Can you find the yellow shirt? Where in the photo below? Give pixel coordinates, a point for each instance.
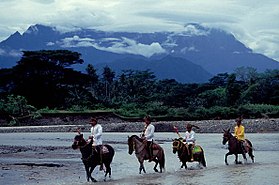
(239, 132)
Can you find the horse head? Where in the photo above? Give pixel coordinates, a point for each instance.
(176, 145)
(226, 136)
(78, 141)
(131, 144)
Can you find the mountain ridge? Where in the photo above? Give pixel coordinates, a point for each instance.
(214, 50)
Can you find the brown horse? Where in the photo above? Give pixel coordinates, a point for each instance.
(138, 145)
(234, 146)
(183, 153)
(91, 158)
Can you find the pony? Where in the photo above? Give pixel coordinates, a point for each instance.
(138, 145)
(91, 158)
(234, 147)
(182, 151)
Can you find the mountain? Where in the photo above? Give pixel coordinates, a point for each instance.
(211, 50)
(168, 67)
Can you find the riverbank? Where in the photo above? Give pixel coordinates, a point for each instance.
(117, 125)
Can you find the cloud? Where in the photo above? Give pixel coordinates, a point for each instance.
(123, 45)
(253, 22)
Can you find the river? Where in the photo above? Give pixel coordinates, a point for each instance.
(21, 149)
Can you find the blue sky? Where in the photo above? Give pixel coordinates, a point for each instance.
(254, 22)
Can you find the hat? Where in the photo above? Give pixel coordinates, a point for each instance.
(93, 120)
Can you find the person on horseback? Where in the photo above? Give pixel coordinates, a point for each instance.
(96, 135)
(239, 130)
(148, 135)
(190, 139)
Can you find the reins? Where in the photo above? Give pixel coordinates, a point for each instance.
(138, 149)
(180, 147)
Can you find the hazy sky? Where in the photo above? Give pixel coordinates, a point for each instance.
(253, 22)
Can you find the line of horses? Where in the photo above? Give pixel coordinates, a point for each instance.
(91, 157)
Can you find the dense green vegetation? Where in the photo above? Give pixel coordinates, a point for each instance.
(44, 81)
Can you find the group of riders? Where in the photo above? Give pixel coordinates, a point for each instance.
(147, 136)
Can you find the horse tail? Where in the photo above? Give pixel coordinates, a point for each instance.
(162, 161)
(250, 152)
(203, 159)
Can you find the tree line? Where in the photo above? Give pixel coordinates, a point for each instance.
(46, 81)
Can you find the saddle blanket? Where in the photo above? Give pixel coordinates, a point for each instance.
(197, 149)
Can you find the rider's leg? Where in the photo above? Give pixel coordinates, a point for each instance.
(191, 152)
(101, 157)
(150, 151)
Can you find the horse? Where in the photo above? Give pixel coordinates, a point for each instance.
(91, 158)
(138, 145)
(182, 151)
(234, 147)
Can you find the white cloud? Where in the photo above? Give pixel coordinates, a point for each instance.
(124, 45)
(132, 47)
(253, 22)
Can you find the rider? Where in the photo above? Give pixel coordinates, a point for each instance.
(239, 133)
(148, 135)
(190, 139)
(96, 135)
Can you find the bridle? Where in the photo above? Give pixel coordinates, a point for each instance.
(140, 148)
(178, 146)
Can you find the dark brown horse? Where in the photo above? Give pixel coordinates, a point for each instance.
(91, 158)
(234, 146)
(182, 151)
(138, 145)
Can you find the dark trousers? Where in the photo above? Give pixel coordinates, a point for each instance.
(99, 151)
(150, 150)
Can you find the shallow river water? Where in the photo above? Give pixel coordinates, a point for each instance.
(265, 170)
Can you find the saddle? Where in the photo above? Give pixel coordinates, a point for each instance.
(155, 146)
(98, 149)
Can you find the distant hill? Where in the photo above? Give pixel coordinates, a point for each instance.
(168, 67)
(167, 54)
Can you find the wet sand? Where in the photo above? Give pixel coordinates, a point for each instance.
(47, 158)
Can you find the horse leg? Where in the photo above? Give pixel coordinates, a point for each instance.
(236, 159)
(185, 165)
(108, 170)
(226, 156)
(244, 157)
(92, 178)
(87, 172)
(251, 154)
(156, 164)
(141, 168)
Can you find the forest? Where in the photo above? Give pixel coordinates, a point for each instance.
(45, 81)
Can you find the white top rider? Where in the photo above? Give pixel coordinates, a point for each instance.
(96, 132)
(190, 137)
(149, 132)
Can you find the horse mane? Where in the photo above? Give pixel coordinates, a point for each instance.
(137, 138)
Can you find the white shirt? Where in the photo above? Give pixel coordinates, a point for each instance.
(190, 137)
(149, 132)
(96, 132)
